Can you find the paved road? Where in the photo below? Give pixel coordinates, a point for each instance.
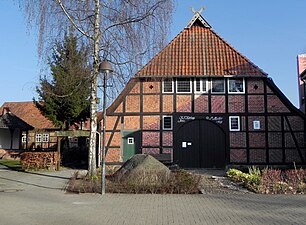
(32, 199)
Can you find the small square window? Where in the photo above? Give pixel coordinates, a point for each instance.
(236, 85)
(256, 125)
(183, 85)
(167, 86)
(217, 85)
(130, 140)
(167, 122)
(234, 123)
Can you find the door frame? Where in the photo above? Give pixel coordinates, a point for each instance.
(178, 126)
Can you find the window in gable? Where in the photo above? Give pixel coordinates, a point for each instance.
(200, 85)
(167, 86)
(183, 85)
(235, 85)
(217, 85)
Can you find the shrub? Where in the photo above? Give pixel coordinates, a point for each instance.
(84, 185)
(271, 181)
(283, 182)
(183, 182)
(249, 180)
(179, 182)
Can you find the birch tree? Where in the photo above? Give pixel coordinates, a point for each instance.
(125, 32)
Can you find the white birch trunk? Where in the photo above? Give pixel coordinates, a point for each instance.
(92, 166)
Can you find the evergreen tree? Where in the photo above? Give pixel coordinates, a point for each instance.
(64, 98)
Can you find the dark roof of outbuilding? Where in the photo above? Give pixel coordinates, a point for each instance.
(10, 121)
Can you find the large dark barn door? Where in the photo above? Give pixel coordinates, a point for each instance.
(200, 144)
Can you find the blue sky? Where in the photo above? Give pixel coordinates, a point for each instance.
(269, 33)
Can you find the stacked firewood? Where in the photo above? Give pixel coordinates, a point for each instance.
(39, 160)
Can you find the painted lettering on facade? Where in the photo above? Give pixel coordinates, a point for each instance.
(216, 119)
(183, 119)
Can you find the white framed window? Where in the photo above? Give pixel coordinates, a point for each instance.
(167, 86)
(130, 141)
(167, 122)
(200, 85)
(234, 123)
(45, 138)
(38, 137)
(24, 138)
(183, 85)
(217, 85)
(235, 85)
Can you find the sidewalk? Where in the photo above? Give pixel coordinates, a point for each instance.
(43, 201)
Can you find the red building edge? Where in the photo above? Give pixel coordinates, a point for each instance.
(200, 103)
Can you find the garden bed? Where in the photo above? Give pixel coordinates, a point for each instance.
(271, 181)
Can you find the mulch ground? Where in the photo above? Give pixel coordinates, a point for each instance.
(216, 182)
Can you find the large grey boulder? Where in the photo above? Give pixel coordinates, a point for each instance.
(143, 169)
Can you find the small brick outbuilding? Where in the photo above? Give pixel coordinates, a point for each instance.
(200, 103)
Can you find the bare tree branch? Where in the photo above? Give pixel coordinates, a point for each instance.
(72, 20)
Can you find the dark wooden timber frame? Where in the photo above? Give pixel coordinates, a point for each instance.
(244, 117)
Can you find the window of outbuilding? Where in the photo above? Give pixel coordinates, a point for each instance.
(235, 85)
(38, 137)
(24, 138)
(45, 138)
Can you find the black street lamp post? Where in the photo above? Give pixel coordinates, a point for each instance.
(105, 68)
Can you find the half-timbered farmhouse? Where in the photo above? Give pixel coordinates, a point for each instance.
(41, 136)
(200, 103)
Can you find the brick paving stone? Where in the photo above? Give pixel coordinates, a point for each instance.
(43, 201)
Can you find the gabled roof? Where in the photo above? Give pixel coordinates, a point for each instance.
(29, 113)
(199, 51)
(10, 121)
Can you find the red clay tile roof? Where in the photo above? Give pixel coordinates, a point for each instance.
(28, 112)
(199, 51)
